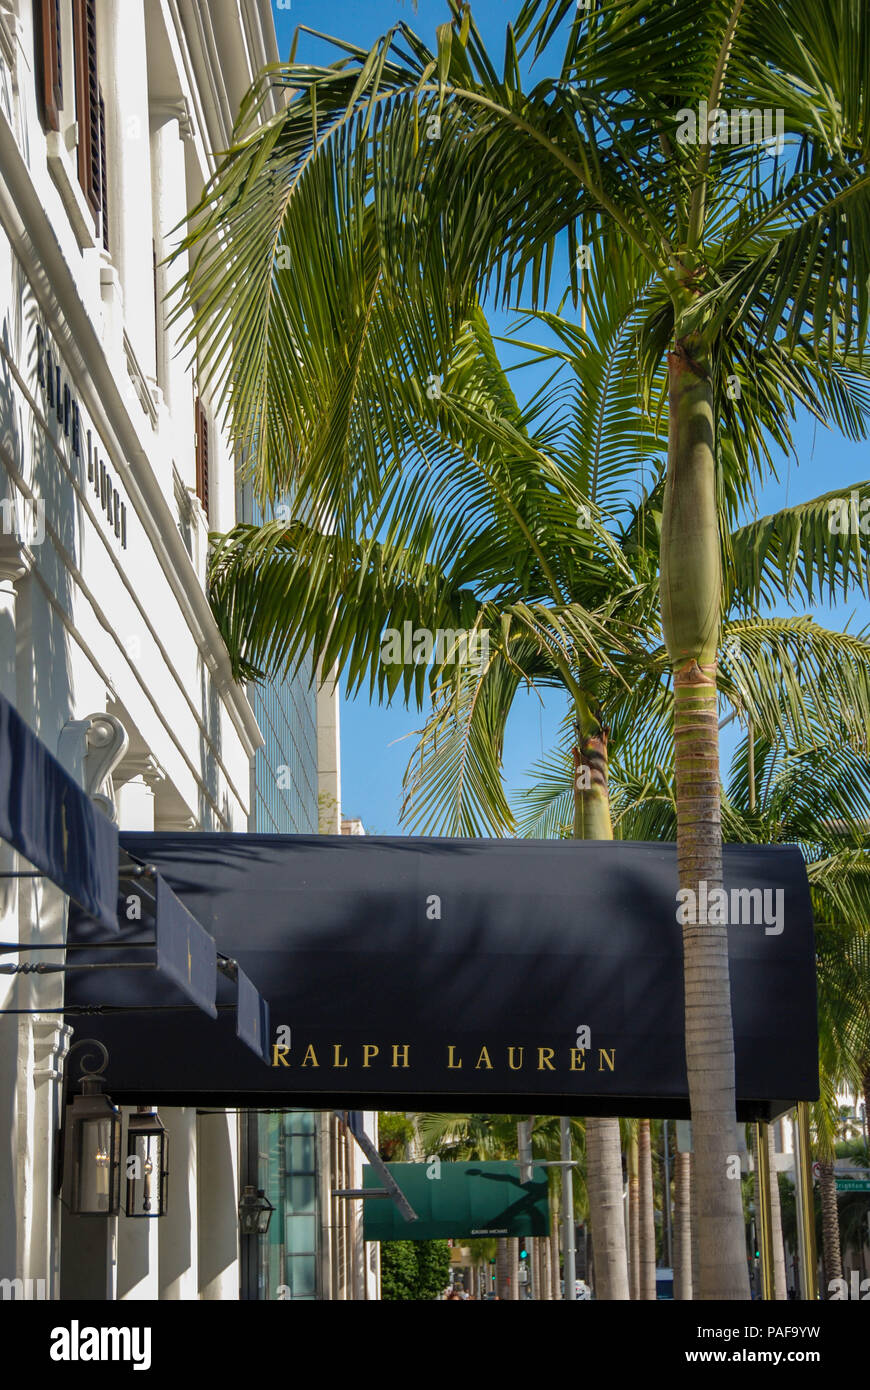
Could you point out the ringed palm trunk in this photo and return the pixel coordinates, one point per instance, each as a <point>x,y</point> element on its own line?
<point>646,1214</point>
<point>682,1226</point>
<point>633,1216</point>
<point>554,1240</point>
<point>502,1287</point>
<point>690,600</point>
<point>603,1146</point>
<point>832,1261</point>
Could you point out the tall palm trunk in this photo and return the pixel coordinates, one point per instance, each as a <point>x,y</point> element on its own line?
<point>603,1146</point>
<point>779,1283</point>
<point>832,1260</point>
<point>502,1286</point>
<point>633,1216</point>
<point>690,599</point>
<point>514,1292</point>
<point>682,1226</point>
<point>554,1239</point>
<point>646,1213</point>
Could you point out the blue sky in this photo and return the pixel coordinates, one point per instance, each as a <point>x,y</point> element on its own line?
<point>374,739</point>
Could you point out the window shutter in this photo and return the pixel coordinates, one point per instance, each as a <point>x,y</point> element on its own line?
<point>49,64</point>
<point>202,455</point>
<point>104,187</point>
<point>90,111</point>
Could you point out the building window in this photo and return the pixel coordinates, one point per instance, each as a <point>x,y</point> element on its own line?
<point>202,455</point>
<point>49,61</point>
<point>90,114</point>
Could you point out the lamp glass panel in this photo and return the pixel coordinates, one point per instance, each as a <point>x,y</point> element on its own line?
<point>97,1153</point>
<point>144,1164</point>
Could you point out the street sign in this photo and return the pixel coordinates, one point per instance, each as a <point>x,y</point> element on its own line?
<point>853,1184</point>
<point>459,1200</point>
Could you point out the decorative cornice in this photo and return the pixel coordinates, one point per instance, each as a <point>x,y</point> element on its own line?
<point>16,560</point>
<point>175,109</point>
<point>143,765</point>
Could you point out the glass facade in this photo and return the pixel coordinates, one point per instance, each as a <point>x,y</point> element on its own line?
<point>285,802</point>
<point>288,1176</point>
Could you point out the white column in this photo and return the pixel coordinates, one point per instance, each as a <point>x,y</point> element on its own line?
<point>123,74</point>
<point>217,1206</point>
<point>137,1235</point>
<point>179,1273</point>
<point>171,126</point>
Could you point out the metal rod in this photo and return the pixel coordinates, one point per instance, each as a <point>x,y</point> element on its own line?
<point>8,946</point>
<point>362,1192</point>
<point>380,1168</point>
<point>41,968</point>
<point>806,1216</point>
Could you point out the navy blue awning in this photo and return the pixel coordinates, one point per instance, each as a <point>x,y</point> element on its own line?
<point>252,1017</point>
<point>45,815</point>
<point>439,974</point>
<point>188,973</point>
<point>186,954</point>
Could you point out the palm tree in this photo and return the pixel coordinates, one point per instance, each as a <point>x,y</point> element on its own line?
<point>401,182</point>
<point>818,797</point>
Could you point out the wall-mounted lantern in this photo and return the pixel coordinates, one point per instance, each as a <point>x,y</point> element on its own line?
<point>255,1212</point>
<point>92,1147</point>
<point>147,1166</point>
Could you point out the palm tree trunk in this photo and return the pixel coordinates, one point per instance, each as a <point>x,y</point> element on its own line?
<point>690,599</point>
<point>682,1226</point>
<point>633,1217</point>
<point>501,1268</point>
<point>546,1273</point>
<point>603,1145</point>
<point>832,1261</point>
<point>779,1283</point>
<point>514,1265</point>
<point>646,1212</point>
<point>554,1239</point>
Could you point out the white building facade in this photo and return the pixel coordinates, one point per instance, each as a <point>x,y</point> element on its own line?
<point>113,469</point>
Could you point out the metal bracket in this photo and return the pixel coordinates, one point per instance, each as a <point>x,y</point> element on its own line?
<point>391,1187</point>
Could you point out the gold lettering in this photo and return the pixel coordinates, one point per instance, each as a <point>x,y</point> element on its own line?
<point>511,1051</point>
<point>603,1057</point>
<point>312,1054</point>
<point>279,1056</point>
<point>578,1054</point>
<point>544,1056</point>
<point>451,1065</point>
<point>404,1049</point>
<point>480,1061</point>
<point>369,1051</point>
<point>336,1048</point>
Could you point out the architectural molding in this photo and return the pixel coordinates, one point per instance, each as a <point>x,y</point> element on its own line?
<point>29,229</point>
<point>90,750</point>
<point>175,109</point>
<point>143,765</point>
<point>16,559</point>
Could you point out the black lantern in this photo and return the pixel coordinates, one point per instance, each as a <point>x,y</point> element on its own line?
<point>92,1148</point>
<point>147,1167</point>
<point>255,1212</point>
